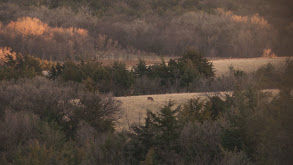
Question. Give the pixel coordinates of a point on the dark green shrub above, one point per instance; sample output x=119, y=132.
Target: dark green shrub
x=160, y=132
x=114, y=79
x=72, y=72
x=179, y=73
x=121, y=78
x=141, y=69
x=193, y=111
x=22, y=66
x=267, y=77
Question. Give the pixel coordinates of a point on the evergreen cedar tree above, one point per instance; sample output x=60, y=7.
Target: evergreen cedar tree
x=120, y=81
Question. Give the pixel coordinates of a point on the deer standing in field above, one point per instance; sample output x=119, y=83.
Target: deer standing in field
x=150, y=99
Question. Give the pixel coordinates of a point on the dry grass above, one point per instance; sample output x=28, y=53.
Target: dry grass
x=221, y=65
x=134, y=107
x=247, y=64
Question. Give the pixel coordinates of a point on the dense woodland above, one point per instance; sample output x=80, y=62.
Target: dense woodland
x=67, y=29
x=57, y=98
x=69, y=115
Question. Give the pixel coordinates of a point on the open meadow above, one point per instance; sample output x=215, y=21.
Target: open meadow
x=247, y=64
x=134, y=107
x=221, y=65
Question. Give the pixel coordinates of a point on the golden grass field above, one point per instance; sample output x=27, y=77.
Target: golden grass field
x=134, y=107
x=247, y=64
x=220, y=65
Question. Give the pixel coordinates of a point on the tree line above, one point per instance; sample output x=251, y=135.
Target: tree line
x=189, y=73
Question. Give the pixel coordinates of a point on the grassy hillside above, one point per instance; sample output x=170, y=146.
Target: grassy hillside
x=134, y=107
x=221, y=65
x=248, y=65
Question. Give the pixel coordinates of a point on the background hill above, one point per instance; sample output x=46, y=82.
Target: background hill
x=127, y=28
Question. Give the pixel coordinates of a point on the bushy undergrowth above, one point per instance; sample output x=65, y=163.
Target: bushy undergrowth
x=45, y=122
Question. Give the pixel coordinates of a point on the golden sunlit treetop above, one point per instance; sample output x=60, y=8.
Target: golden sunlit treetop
x=255, y=19
x=28, y=26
